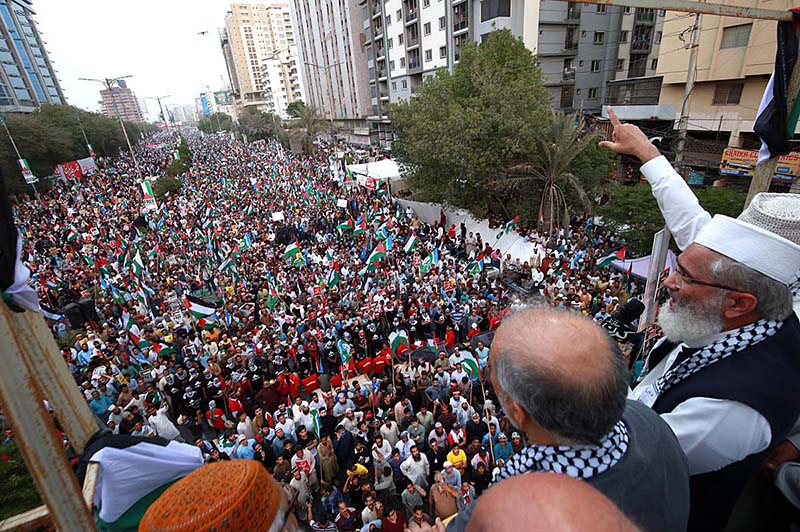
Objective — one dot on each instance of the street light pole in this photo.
(108, 83)
(161, 108)
(325, 69)
(83, 132)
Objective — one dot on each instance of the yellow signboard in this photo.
(742, 163)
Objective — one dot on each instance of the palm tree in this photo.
(562, 139)
(255, 123)
(308, 120)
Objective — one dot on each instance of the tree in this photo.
(215, 122)
(633, 213)
(52, 135)
(259, 125)
(166, 185)
(309, 121)
(554, 152)
(463, 131)
(295, 108)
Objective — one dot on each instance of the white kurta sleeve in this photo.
(678, 204)
(715, 432)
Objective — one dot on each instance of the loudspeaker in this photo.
(74, 314)
(89, 311)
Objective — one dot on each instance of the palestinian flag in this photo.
(377, 254)
(410, 243)
(208, 323)
(775, 122)
(272, 299)
(476, 266)
(128, 322)
(51, 314)
(135, 471)
(398, 342)
(511, 224)
(72, 235)
(227, 265)
(345, 226)
(291, 250)
(163, 350)
(429, 262)
(361, 226)
(618, 254)
(199, 308)
(333, 279)
(471, 367)
(140, 342)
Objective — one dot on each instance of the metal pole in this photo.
(109, 83)
(86, 140)
(166, 119)
(683, 124)
(14, 144)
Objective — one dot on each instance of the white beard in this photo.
(686, 322)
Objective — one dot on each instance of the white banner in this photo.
(88, 165)
(278, 216)
(341, 202)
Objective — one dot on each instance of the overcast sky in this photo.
(157, 42)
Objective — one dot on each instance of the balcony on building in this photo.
(642, 41)
(376, 9)
(410, 11)
(412, 37)
(570, 15)
(637, 99)
(414, 61)
(460, 18)
(645, 16)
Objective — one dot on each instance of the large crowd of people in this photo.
(273, 310)
(386, 434)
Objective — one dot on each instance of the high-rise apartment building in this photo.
(120, 101)
(333, 57)
(409, 40)
(27, 79)
(260, 50)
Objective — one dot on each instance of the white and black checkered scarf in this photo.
(581, 462)
(731, 342)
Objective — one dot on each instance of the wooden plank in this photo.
(90, 483)
(22, 396)
(43, 358)
(29, 521)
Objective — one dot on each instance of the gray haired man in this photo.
(561, 379)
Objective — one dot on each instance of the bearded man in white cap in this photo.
(725, 377)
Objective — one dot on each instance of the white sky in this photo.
(157, 42)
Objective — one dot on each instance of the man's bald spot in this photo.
(560, 342)
(546, 502)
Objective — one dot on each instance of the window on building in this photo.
(443, 52)
(428, 55)
(399, 15)
(601, 8)
(728, 93)
(485, 37)
(580, 62)
(426, 3)
(426, 28)
(442, 23)
(662, 12)
(390, 44)
(402, 62)
(593, 93)
(394, 86)
(391, 66)
(654, 64)
(404, 84)
(599, 37)
(620, 65)
(623, 36)
(659, 34)
(400, 39)
(495, 8)
(583, 34)
(735, 36)
(595, 65)
(388, 20)
(626, 10)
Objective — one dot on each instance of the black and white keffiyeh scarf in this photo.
(581, 462)
(731, 342)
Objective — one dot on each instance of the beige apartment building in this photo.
(261, 56)
(734, 61)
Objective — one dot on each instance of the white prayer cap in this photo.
(776, 212)
(753, 246)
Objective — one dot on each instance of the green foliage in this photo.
(309, 122)
(633, 213)
(215, 122)
(165, 185)
(258, 125)
(19, 493)
(70, 338)
(52, 135)
(462, 129)
(181, 165)
(295, 108)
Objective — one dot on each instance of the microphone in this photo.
(620, 324)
